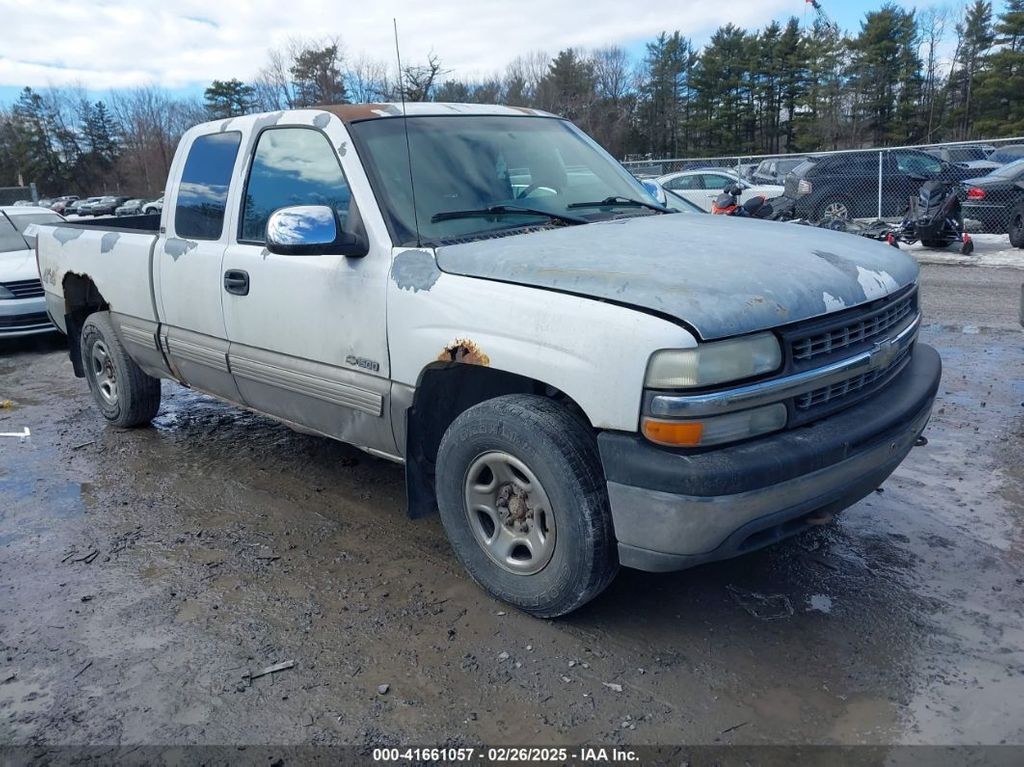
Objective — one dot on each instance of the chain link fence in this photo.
(864, 184)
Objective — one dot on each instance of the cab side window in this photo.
(291, 166)
(203, 191)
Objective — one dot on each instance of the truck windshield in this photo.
(472, 163)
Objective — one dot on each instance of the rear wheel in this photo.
(124, 394)
(522, 498)
(1016, 227)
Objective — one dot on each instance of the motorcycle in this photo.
(728, 204)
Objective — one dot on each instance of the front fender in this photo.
(595, 352)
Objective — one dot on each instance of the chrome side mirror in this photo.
(311, 230)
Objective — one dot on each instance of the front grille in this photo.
(24, 288)
(24, 321)
(859, 384)
(853, 330)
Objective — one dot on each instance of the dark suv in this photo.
(846, 185)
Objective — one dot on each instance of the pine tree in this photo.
(792, 81)
(885, 75)
(228, 98)
(976, 37)
(316, 76)
(1000, 80)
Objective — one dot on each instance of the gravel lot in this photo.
(145, 573)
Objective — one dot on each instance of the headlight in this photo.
(5, 293)
(715, 430)
(714, 363)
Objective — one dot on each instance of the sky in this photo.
(184, 44)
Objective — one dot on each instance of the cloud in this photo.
(133, 42)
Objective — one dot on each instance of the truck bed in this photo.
(149, 223)
(116, 254)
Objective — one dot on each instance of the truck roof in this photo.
(357, 112)
(353, 113)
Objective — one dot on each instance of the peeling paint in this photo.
(321, 120)
(176, 248)
(64, 234)
(108, 241)
(342, 148)
(465, 351)
(415, 270)
(876, 284)
(832, 304)
(224, 125)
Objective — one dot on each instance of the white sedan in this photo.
(701, 187)
(22, 306)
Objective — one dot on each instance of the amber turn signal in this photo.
(681, 433)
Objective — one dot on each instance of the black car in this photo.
(1007, 154)
(845, 185)
(997, 201)
(106, 206)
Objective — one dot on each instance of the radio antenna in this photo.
(408, 147)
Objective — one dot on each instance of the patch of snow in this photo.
(992, 250)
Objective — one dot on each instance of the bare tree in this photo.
(368, 81)
(418, 80)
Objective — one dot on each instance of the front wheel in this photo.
(123, 392)
(523, 500)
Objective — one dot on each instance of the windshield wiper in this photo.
(620, 201)
(505, 210)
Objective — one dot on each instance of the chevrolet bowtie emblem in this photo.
(883, 353)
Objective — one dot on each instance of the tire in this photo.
(125, 395)
(567, 555)
(936, 243)
(834, 207)
(1015, 228)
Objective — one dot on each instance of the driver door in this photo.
(307, 334)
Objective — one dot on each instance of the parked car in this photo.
(774, 171)
(1007, 154)
(105, 206)
(701, 187)
(670, 199)
(970, 156)
(997, 201)
(130, 207)
(845, 185)
(745, 170)
(61, 204)
(155, 206)
(574, 377)
(22, 305)
(79, 207)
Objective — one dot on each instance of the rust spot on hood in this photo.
(465, 351)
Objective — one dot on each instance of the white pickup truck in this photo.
(574, 376)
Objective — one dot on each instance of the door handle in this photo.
(236, 281)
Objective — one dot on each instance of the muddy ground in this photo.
(144, 573)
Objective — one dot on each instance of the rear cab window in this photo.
(203, 190)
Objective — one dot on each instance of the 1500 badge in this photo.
(361, 362)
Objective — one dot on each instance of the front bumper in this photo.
(24, 317)
(672, 509)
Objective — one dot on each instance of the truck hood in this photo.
(720, 275)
